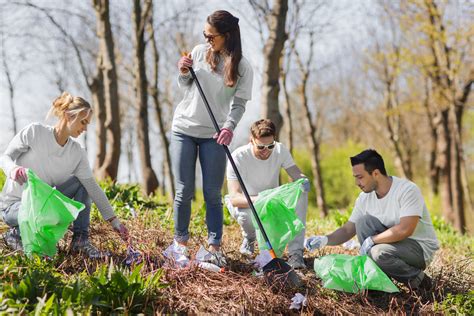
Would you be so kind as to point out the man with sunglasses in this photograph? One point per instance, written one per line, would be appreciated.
(259, 163)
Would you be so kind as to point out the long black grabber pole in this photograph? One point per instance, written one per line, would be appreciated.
(277, 266)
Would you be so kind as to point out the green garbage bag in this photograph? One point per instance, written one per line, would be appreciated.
(352, 274)
(44, 216)
(276, 210)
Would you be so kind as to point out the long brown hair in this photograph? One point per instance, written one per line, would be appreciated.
(227, 25)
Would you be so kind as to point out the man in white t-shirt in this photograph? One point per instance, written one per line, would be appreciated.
(390, 220)
(259, 163)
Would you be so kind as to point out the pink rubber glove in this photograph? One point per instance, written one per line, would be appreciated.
(19, 175)
(184, 63)
(224, 137)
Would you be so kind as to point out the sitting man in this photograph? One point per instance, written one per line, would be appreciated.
(259, 164)
(390, 220)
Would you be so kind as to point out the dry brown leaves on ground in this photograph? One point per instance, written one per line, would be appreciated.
(193, 290)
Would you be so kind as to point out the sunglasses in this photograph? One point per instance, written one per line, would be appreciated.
(210, 37)
(262, 147)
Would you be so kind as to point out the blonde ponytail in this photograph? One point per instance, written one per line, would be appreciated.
(67, 104)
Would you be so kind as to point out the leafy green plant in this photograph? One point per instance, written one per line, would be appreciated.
(340, 218)
(457, 304)
(113, 289)
(38, 280)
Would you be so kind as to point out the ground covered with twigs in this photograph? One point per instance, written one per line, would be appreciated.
(75, 283)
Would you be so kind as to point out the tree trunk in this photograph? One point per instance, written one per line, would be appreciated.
(150, 181)
(444, 165)
(154, 91)
(313, 140)
(433, 122)
(456, 186)
(272, 52)
(450, 109)
(11, 87)
(288, 116)
(314, 148)
(109, 168)
(395, 129)
(97, 91)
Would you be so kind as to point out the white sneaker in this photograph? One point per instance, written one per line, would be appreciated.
(248, 247)
(177, 253)
(214, 257)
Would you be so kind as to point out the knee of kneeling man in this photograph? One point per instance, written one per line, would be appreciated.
(378, 253)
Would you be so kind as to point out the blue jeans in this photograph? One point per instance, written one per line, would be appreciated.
(73, 189)
(184, 152)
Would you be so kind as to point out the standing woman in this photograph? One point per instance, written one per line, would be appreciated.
(226, 78)
(53, 154)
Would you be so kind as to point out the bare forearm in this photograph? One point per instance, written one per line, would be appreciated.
(391, 235)
(240, 201)
(342, 234)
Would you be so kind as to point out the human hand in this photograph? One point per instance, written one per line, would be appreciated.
(366, 246)
(306, 185)
(184, 63)
(19, 175)
(120, 229)
(315, 242)
(224, 137)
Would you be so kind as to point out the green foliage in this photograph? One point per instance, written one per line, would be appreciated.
(31, 281)
(340, 218)
(450, 238)
(2, 178)
(457, 304)
(127, 198)
(128, 202)
(35, 285)
(338, 180)
(112, 290)
(441, 226)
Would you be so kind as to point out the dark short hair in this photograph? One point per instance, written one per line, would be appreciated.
(371, 159)
(263, 128)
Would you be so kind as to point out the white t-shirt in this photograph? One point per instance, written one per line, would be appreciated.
(191, 117)
(259, 175)
(36, 148)
(403, 199)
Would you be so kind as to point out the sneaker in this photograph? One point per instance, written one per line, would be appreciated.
(296, 261)
(178, 254)
(211, 256)
(13, 240)
(248, 247)
(218, 259)
(86, 248)
(421, 282)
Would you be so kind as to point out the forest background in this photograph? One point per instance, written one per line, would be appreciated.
(336, 77)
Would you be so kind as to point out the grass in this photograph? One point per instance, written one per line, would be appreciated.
(79, 285)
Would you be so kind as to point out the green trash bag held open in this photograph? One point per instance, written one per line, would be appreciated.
(276, 210)
(352, 274)
(44, 216)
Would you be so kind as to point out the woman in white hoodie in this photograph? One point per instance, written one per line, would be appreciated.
(58, 159)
